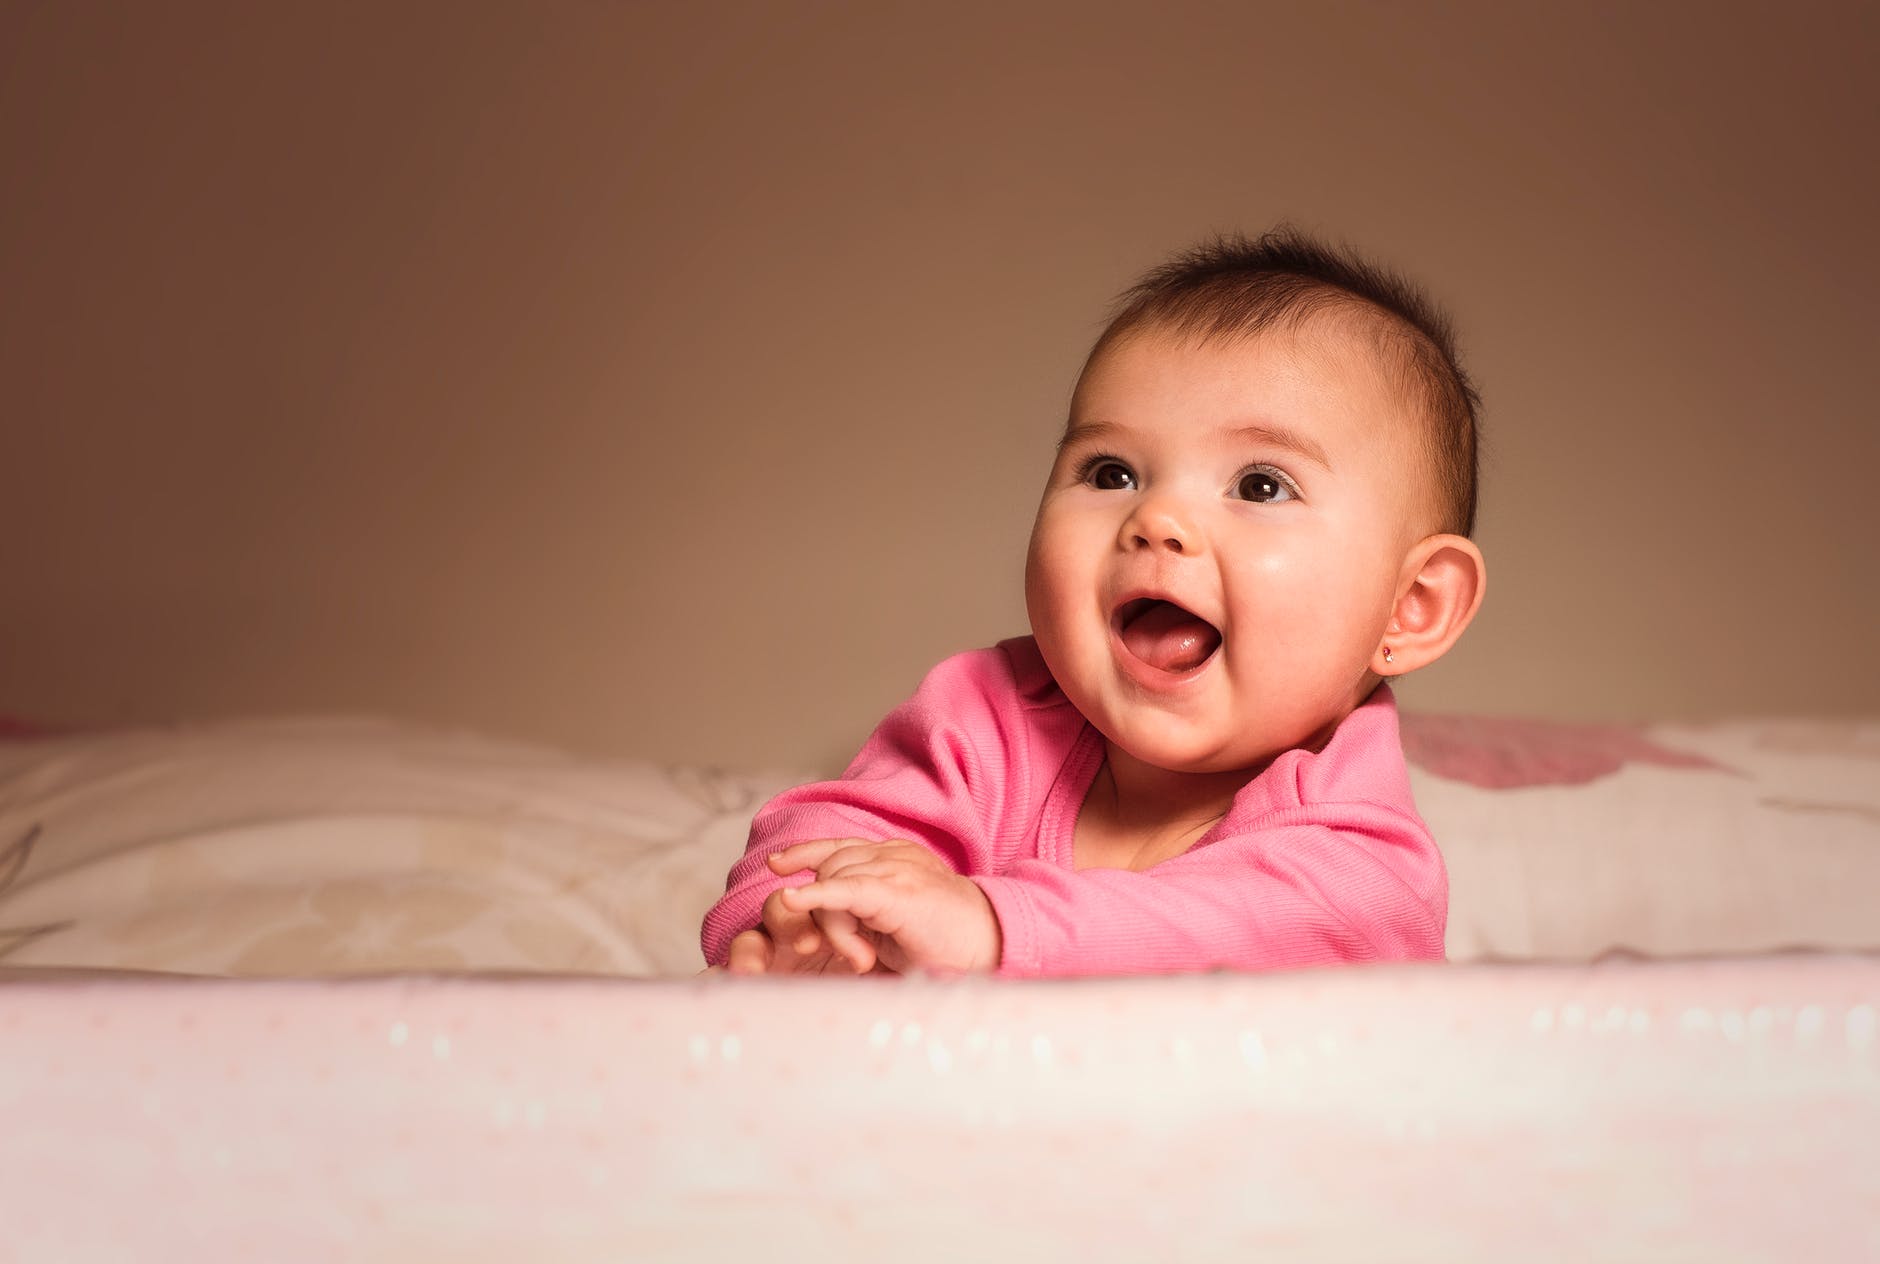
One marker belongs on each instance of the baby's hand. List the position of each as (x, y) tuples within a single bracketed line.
[(788, 941), (920, 914)]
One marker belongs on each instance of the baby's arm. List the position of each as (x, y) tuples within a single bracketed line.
[(1336, 883), (1361, 883)]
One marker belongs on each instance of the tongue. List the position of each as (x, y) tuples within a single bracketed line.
[(1168, 637)]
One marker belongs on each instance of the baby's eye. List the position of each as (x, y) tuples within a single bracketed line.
[(1265, 485), (1108, 474)]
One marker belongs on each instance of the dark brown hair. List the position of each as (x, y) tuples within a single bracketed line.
[(1231, 287)]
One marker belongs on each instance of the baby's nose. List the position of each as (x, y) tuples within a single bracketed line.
[(1159, 524)]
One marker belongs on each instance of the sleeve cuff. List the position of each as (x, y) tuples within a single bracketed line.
[(1018, 926)]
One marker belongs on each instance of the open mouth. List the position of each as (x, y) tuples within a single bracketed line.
[(1165, 636)]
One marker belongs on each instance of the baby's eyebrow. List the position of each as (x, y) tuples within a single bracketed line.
[(1280, 437), (1262, 435), (1088, 431)]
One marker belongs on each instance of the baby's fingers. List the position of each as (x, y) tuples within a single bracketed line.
[(791, 929), (845, 937), (749, 953), (868, 899)]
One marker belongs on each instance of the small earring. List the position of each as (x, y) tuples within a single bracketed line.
[(1387, 655)]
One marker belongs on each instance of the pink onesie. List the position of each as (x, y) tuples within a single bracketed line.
[(1322, 857)]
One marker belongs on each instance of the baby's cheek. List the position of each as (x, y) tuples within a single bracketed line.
[(1299, 605), (1052, 594), (1040, 573), (1270, 587)]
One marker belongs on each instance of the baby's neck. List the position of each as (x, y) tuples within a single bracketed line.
[(1142, 794), (1136, 814)]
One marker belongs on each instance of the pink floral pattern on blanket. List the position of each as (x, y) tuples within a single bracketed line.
[(1506, 753)]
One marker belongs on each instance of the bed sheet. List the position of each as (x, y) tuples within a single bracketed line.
[(1714, 1110)]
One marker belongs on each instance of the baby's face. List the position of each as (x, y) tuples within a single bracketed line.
[(1218, 549)]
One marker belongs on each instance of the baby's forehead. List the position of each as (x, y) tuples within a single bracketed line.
[(1336, 350), (1342, 340)]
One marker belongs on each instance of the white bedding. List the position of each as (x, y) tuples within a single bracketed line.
[(1710, 1111)]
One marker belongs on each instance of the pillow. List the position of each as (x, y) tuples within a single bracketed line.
[(1567, 841), (304, 847)]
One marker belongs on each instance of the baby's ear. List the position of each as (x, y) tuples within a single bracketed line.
[(1439, 590)]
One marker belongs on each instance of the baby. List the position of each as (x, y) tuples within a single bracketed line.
[(1259, 513)]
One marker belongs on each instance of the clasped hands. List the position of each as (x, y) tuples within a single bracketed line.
[(888, 907)]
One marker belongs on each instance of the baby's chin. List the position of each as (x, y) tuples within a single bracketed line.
[(1189, 753), (1166, 742)]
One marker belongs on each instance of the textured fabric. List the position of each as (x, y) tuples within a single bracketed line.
[(1322, 857)]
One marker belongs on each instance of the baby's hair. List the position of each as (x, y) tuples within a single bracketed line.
[(1232, 287)]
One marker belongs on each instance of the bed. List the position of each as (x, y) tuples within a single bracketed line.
[(340, 988)]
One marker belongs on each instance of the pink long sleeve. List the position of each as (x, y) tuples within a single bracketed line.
[(1322, 857), (1346, 882)]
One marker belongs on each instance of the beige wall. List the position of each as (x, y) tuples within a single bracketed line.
[(676, 379)]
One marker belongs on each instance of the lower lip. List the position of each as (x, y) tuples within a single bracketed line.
[(1154, 677)]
